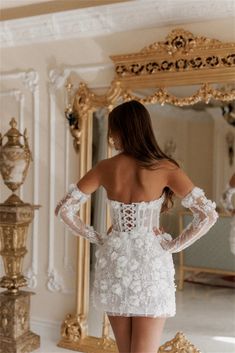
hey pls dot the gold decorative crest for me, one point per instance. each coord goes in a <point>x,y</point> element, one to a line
<point>182,56</point>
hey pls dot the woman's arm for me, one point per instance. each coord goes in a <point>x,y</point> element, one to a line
<point>203,210</point>
<point>67,209</point>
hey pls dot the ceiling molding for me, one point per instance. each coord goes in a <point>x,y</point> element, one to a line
<point>107,19</point>
<point>27,8</point>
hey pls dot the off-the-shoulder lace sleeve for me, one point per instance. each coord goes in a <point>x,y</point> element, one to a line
<point>204,217</point>
<point>68,214</point>
<point>227,198</point>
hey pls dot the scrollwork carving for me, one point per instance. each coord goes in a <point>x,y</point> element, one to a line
<point>5,318</point>
<point>194,63</point>
<point>178,344</point>
<point>181,41</point>
<point>162,96</point>
<point>71,328</point>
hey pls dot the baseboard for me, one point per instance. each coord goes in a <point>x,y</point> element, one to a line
<point>46,328</point>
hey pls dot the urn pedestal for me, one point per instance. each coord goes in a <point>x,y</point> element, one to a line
<point>15,217</point>
<point>15,334</point>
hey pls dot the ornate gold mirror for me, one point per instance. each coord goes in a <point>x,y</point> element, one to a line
<point>182,71</point>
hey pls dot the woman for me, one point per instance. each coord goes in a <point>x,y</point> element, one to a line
<point>134,271</point>
<point>227,201</point>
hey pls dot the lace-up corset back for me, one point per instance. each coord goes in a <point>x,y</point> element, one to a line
<point>138,216</point>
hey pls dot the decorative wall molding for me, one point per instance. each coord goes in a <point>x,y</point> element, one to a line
<point>106,19</point>
<point>68,264</point>
<point>55,281</point>
<point>31,276</point>
<point>12,93</point>
<point>30,80</point>
<point>29,76</point>
<point>57,79</point>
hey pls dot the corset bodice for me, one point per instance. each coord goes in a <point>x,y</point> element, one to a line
<point>139,216</point>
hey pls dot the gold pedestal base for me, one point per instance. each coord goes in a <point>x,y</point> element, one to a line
<point>15,336</point>
<point>90,344</point>
<point>24,344</point>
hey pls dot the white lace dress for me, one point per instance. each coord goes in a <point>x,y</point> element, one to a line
<point>134,270</point>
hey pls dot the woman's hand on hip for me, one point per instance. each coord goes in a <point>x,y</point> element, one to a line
<point>158,231</point>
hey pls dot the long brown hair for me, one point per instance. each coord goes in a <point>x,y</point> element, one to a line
<point>132,123</point>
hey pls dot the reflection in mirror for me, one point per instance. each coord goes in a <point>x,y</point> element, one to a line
<point>98,207</point>
<point>228,202</point>
<point>99,215</point>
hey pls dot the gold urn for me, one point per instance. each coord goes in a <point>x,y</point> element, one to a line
<point>14,157</point>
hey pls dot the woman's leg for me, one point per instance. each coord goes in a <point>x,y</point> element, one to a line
<point>146,334</point>
<point>121,327</point>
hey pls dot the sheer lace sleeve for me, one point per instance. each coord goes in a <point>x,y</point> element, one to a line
<point>204,217</point>
<point>227,198</point>
<point>68,209</point>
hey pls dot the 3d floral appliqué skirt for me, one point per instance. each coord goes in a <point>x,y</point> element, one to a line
<point>134,276</point>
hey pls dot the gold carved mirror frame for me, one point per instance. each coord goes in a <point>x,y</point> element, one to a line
<point>182,59</point>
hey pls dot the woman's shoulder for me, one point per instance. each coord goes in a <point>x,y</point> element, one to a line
<point>122,159</point>
<point>114,159</point>
<point>167,165</point>
<point>107,162</point>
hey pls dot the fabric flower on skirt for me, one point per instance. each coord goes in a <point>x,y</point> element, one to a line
<point>118,273</point>
<point>126,280</point>
<point>114,255</point>
<point>135,286</point>
<point>116,242</point>
<point>116,288</point>
<point>103,285</point>
<point>133,265</point>
<point>134,300</point>
<point>102,262</point>
<point>122,261</point>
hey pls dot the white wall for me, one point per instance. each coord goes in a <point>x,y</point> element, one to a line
<point>39,105</point>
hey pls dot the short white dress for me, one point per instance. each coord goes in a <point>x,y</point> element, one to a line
<point>134,275</point>
<point>134,269</point>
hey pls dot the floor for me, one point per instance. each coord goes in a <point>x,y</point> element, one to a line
<point>205,314</point>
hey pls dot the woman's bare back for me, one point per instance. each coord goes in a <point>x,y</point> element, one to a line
<point>126,181</point>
